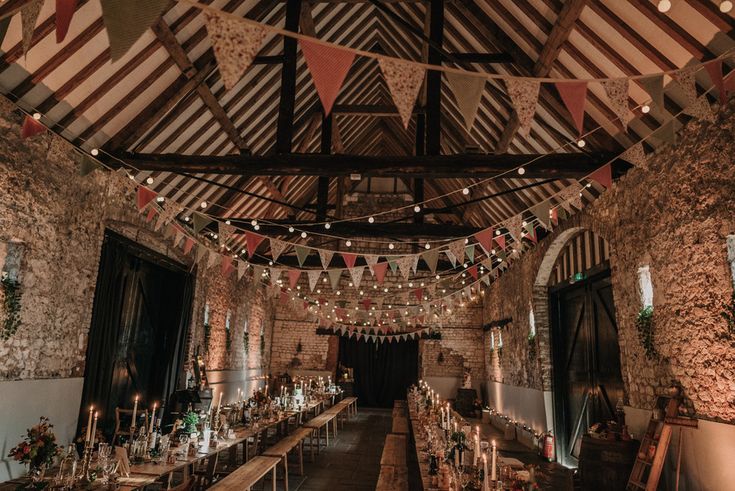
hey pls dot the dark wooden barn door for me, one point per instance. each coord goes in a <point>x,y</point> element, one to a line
<point>587,378</point>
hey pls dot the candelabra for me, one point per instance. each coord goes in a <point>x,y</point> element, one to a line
<point>84,474</point>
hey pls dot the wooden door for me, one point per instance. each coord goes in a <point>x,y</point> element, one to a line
<point>586,359</point>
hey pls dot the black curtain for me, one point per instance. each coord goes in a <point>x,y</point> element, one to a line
<point>141,311</point>
<point>382,371</point>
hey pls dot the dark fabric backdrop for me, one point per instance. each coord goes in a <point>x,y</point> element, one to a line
<point>141,311</point>
<point>382,371</point>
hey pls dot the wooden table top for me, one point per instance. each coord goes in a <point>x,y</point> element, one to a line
<point>392,478</point>
<point>394,451</point>
<point>247,474</point>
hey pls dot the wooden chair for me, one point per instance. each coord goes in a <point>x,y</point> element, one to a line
<point>125,430</point>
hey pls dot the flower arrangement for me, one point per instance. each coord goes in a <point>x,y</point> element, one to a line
<point>38,449</point>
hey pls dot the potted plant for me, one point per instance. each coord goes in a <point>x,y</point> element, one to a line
<point>37,450</point>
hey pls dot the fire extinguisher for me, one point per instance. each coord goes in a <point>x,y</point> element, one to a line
<point>549,446</point>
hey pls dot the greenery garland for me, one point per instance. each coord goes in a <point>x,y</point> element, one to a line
<point>644,324</point>
<point>11,306</point>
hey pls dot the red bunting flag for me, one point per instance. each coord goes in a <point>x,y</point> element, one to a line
<point>472,270</point>
<point>349,259</point>
<point>366,303</point>
<point>188,245</point>
<point>328,67</point>
<point>293,277</point>
<point>485,238</point>
<point>500,239</point>
<point>284,296</point>
<point>603,175</point>
<point>151,213</point>
<point>253,241</point>
<point>379,269</point>
<point>574,95</point>
<point>419,292</point>
<point>555,216</point>
<point>531,235</point>
<point>226,265</point>
<point>31,127</point>
<point>145,196</point>
<point>64,12</point>
<point>714,70</point>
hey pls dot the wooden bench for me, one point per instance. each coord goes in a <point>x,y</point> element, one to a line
<point>400,425</point>
<point>286,445</point>
<point>392,478</point>
<point>246,476</point>
<point>322,421</point>
<point>394,451</point>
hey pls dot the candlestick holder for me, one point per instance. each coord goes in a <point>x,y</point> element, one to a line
<point>84,475</point>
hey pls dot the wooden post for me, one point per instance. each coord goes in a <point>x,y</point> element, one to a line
<point>284,132</point>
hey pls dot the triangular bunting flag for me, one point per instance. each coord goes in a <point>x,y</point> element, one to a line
<point>379,270</point>
<point>326,257</point>
<point>31,127</point>
<point>313,275</point>
<point>541,211</point>
<point>213,259</point>
<point>617,92</point>
<point>188,245</point>
<point>151,213</point>
<point>334,276</point>
<point>28,16</point>
<point>667,132</point>
<point>127,20</point>
<point>524,96</point>
<point>431,258</point>
<point>293,277</point>
<point>4,23</point>
<point>500,239</point>
<point>201,252</point>
<point>302,253</point>
<point>701,109</point>
<point>179,234</point>
<point>393,264</point>
<point>531,233</point>
<point>469,251</point>
<point>235,45</point>
<point>366,303</point>
<point>686,78</point>
<point>199,222</point>
<point>277,248</point>
<point>356,274</point>
<point>603,175</point>
<point>636,155</point>
<point>419,293</point>
<point>467,90</point>
<point>415,264</point>
<point>574,95</point>
<point>224,232</point>
<point>404,264</point>
<point>64,12</point>
<point>714,70</point>
<point>226,265</point>
<point>349,259</point>
<point>275,275</point>
<point>485,239</point>
<point>404,81</point>
<point>328,67</point>
<point>252,241</point>
<point>472,270</point>
<point>242,266</point>
<point>514,226</point>
<point>457,250</point>
<point>144,197</point>
<point>371,261</point>
<point>654,85</point>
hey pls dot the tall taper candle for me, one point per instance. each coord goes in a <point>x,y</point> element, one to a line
<point>89,424</point>
<point>94,428</point>
<point>485,477</point>
<point>494,463</point>
<point>153,418</point>
<point>135,413</point>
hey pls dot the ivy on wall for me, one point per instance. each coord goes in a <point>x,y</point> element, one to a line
<point>11,307</point>
<point>644,325</point>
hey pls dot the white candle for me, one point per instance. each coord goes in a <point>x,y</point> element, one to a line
<point>89,424</point>
<point>153,417</point>
<point>485,478</point>
<point>135,413</point>
<point>476,451</point>
<point>493,463</point>
<point>219,402</point>
<point>94,428</point>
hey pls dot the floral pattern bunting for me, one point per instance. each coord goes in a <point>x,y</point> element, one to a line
<point>524,96</point>
<point>404,80</point>
<point>28,16</point>
<point>326,257</point>
<point>277,248</point>
<point>313,275</point>
<point>356,274</point>
<point>636,155</point>
<point>467,90</point>
<point>515,227</point>
<point>617,92</point>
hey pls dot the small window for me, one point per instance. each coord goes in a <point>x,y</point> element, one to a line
<point>531,323</point>
<point>731,256</point>
<point>492,340</point>
<point>500,339</point>
<point>645,285</point>
<point>227,321</point>
<point>206,314</point>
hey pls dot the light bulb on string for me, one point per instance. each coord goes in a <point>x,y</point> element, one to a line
<point>204,204</point>
<point>371,220</point>
<point>664,6</point>
<point>645,108</point>
<point>254,223</point>
<point>303,235</point>
<point>417,208</point>
<point>227,222</point>
<point>149,180</point>
<point>291,229</point>
<point>427,246</point>
<point>257,227</point>
<point>725,6</point>
<point>581,143</point>
<point>94,152</point>
<point>327,225</point>
<point>348,243</point>
<point>466,191</point>
<point>521,171</point>
<point>391,246</point>
<point>37,116</point>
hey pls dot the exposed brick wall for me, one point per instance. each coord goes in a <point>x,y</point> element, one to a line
<point>675,216</point>
<point>60,219</point>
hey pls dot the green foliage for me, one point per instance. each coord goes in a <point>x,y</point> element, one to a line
<point>11,306</point>
<point>191,420</point>
<point>728,313</point>
<point>246,342</point>
<point>644,325</point>
<point>532,351</point>
<point>207,335</point>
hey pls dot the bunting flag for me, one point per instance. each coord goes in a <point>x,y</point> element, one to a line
<point>686,78</point>
<point>31,127</point>
<point>188,245</point>
<point>328,67</point>
<point>467,90</point>
<point>179,235</point>
<point>667,131</point>
<point>531,233</point>
<point>170,212</point>
<point>356,274</point>
<point>349,259</point>
<point>431,258</point>
<point>524,97</point>
<point>258,272</point>
<point>28,17</point>
<point>293,277</point>
<point>500,239</point>
<point>144,197</point>
<point>700,109</point>
<point>242,266</point>
<point>404,264</point>
<point>542,212</point>
<point>201,251</point>
<point>714,70</point>
<point>302,253</point>
<point>636,155</point>
<point>570,195</point>
<point>277,248</point>
<point>469,251</point>
<point>515,226</point>
<point>235,45</point>
<point>127,20</point>
<point>199,222</point>
<point>366,303</point>
<point>404,81</point>
<point>574,95</point>
<point>379,270</point>
<point>603,175</point>
<point>371,262</point>
<point>252,241</point>
<point>654,85</point>
<point>275,275</point>
<point>617,92</point>
<point>213,259</point>
<point>393,264</point>
<point>415,264</point>
<point>151,213</point>
<point>224,232</point>
<point>456,249</point>
<point>334,276</point>
<point>485,239</point>
<point>473,271</point>
<point>419,293</point>
<point>325,256</point>
<point>313,275</point>
<point>226,266</point>
<point>64,12</point>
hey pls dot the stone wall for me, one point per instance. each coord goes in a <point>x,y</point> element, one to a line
<point>675,217</point>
